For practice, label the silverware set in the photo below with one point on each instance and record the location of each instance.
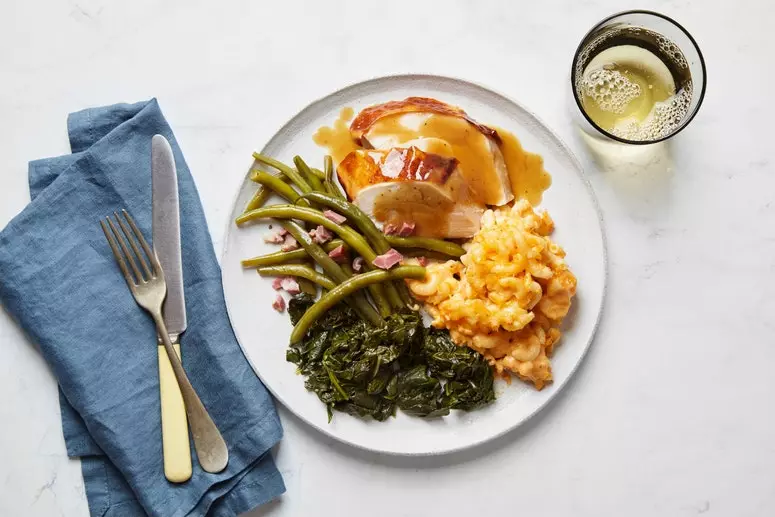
(163, 298)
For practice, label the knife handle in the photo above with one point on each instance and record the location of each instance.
(174, 425)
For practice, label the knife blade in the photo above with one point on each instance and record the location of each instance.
(166, 232)
(166, 245)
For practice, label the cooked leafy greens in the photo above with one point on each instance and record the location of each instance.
(370, 371)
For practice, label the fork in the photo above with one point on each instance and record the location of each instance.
(149, 290)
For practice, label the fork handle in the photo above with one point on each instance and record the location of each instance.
(210, 447)
(174, 426)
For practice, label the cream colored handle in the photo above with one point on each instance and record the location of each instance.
(174, 425)
(211, 448)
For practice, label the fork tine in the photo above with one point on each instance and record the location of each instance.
(127, 253)
(118, 256)
(131, 240)
(151, 254)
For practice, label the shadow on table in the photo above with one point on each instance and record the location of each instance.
(640, 175)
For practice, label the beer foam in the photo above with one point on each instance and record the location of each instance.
(590, 49)
(586, 54)
(610, 89)
(664, 119)
(672, 50)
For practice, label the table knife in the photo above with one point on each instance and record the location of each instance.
(166, 244)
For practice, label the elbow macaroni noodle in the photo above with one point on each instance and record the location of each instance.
(508, 294)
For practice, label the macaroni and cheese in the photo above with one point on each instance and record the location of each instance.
(508, 294)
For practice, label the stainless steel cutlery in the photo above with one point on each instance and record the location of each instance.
(166, 245)
(146, 280)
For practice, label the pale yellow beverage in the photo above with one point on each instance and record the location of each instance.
(637, 92)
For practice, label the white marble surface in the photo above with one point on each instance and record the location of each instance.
(671, 413)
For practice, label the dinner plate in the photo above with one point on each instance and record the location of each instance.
(263, 333)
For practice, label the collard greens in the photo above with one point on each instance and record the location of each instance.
(369, 371)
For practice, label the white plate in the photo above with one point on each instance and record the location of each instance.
(263, 333)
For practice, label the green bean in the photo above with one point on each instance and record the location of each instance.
(307, 174)
(263, 193)
(276, 185)
(292, 174)
(300, 271)
(308, 286)
(350, 236)
(403, 293)
(283, 257)
(314, 251)
(396, 292)
(258, 199)
(382, 299)
(347, 268)
(384, 309)
(330, 183)
(317, 172)
(356, 216)
(310, 215)
(441, 246)
(345, 289)
(359, 303)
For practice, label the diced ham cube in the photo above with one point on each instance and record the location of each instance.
(290, 285)
(282, 232)
(321, 235)
(279, 303)
(358, 264)
(388, 259)
(274, 238)
(289, 243)
(423, 261)
(333, 216)
(406, 229)
(338, 254)
(277, 283)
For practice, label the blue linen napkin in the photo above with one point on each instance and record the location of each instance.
(59, 280)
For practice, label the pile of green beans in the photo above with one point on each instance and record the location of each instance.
(308, 191)
(335, 272)
(345, 289)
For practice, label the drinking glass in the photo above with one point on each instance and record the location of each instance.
(639, 28)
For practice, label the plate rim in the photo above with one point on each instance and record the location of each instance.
(580, 172)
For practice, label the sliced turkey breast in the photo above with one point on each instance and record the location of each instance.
(369, 116)
(439, 128)
(409, 186)
(427, 206)
(371, 166)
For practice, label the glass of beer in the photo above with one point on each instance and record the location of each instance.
(638, 77)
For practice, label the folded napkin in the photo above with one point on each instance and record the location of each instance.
(59, 280)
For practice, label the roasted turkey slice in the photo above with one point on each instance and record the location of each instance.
(408, 185)
(371, 115)
(439, 128)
